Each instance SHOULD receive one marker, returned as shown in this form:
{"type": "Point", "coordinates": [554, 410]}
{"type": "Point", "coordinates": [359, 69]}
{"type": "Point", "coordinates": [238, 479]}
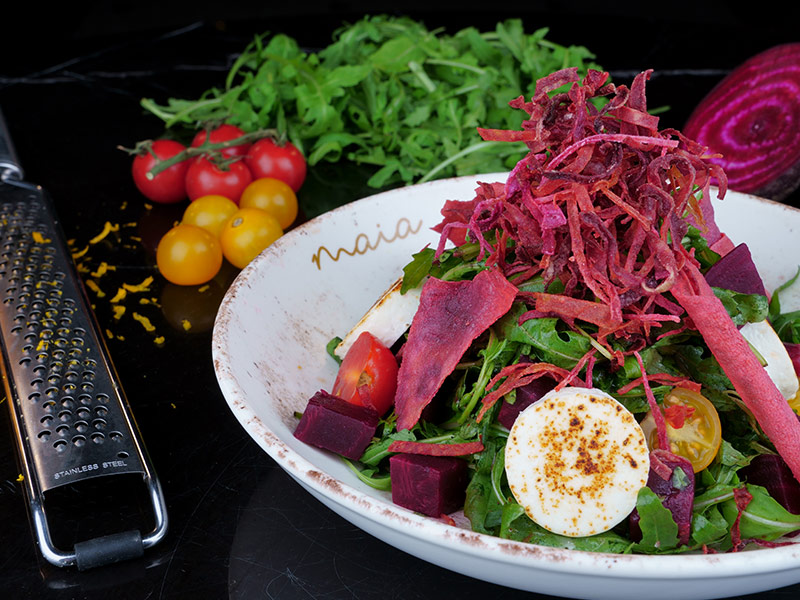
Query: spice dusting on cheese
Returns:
{"type": "Point", "coordinates": [576, 460]}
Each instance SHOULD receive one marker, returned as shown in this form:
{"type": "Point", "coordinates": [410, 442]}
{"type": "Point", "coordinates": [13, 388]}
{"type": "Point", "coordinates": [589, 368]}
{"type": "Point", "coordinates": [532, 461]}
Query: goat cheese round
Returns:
{"type": "Point", "coordinates": [576, 460]}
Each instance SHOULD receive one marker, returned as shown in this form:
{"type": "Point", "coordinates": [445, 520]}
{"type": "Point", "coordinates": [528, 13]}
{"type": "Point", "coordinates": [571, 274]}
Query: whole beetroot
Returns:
{"type": "Point", "coordinates": [752, 119]}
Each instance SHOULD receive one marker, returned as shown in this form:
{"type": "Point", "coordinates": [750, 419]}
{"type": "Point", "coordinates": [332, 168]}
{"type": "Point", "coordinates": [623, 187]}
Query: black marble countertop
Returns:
{"type": "Point", "coordinates": [70, 85]}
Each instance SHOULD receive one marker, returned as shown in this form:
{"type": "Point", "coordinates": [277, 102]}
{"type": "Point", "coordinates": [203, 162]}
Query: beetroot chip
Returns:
{"type": "Point", "coordinates": [451, 315]}
{"type": "Point", "coordinates": [431, 485]}
{"type": "Point", "coordinates": [333, 424]}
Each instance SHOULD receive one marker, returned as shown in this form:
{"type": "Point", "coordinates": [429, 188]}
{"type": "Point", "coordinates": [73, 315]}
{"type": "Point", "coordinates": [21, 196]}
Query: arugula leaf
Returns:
{"type": "Point", "coordinates": [419, 267]}
{"type": "Point", "coordinates": [743, 308]}
{"type": "Point", "coordinates": [786, 325]}
{"type": "Point", "coordinates": [659, 530]}
{"type": "Point", "coordinates": [763, 518]}
{"type": "Point", "coordinates": [563, 348]}
{"type": "Point", "coordinates": [523, 529]}
{"type": "Point", "coordinates": [388, 93]}
{"type": "Point", "coordinates": [695, 239]}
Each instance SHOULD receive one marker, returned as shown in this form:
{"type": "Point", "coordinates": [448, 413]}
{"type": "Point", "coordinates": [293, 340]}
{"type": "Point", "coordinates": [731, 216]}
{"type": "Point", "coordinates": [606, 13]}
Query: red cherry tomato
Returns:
{"type": "Point", "coordinates": [204, 178]}
{"type": "Point", "coordinates": [285, 162]}
{"type": "Point", "coordinates": [168, 186]}
{"type": "Point", "coordinates": [223, 133]}
{"type": "Point", "coordinates": [367, 375]}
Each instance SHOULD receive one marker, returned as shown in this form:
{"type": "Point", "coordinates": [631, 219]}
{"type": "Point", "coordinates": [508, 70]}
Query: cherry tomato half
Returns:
{"type": "Point", "coordinates": [273, 196]}
{"type": "Point", "coordinates": [223, 133]}
{"type": "Point", "coordinates": [204, 178]}
{"type": "Point", "coordinates": [285, 162]}
{"type": "Point", "coordinates": [246, 234]}
{"type": "Point", "coordinates": [167, 187]}
{"type": "Point", "coordinates": [367, 375]}
{"type": "Point", "coordinates": [701, 435]}
{"type": "Point", "coordinates": [210, 213]}
{"type": "Point", "coordinates": [188, 255]}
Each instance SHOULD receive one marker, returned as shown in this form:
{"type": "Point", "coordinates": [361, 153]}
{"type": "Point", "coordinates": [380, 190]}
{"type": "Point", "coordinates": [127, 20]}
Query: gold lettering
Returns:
{"type": "Point", "coordinates": [362, 244]}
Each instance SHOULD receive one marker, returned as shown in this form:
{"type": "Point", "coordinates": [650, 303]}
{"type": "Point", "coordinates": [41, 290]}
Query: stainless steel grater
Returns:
{"type": "Point", "coordinates": [70, 416]}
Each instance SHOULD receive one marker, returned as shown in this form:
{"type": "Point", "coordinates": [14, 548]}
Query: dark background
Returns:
{"type": "Point", "coordinates": [70, 81]}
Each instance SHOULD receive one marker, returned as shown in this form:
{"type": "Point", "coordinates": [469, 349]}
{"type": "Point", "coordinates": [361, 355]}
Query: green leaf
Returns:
{"type": "Point", "coordinates": [709, 527]}
{"type": "Point", "coordinates": [659, 530]}
{"type": "Point", "coordinates": [786, 325]}
{"type": "Point", "coordinates": [763, 518]}
{"type": "Point", "coordinates": [563, 348]}
{"type": "Point", "coordinates": [743, 308]}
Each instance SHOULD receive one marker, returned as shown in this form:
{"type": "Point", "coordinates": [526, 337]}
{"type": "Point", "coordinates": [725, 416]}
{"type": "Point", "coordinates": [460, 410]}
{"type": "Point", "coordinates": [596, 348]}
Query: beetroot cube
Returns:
{"type": "Point", "coordinates": [333, 424]}
{"type": "Point", "coordinates": [526, 395]}
{"type": "Point", "coordinates": [431, 485]}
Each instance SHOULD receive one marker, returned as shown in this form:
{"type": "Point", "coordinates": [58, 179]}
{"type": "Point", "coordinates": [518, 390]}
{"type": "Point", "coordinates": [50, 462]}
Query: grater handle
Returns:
{"type": "Point", "coordinates": [108, 549]}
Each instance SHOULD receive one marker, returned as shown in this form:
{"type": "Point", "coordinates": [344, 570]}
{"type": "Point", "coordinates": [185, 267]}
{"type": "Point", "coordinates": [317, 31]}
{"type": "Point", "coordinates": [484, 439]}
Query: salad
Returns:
{"type": "Point", "coordinates": [585, 361]}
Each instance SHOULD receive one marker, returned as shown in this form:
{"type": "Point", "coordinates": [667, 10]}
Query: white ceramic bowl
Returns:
{"type": "Point", "coordinates": [316, 281]}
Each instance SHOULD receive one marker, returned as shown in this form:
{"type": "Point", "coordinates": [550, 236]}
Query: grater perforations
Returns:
{"type": "Point", "coordinates": [64, 387]}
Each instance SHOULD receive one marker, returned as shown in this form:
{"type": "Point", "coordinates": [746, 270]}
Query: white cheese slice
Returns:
{"type": "Point", "coordinates": [779, 366]}
{"type": "Point", "coordinates": [576, 460]}
{"type": "Point", "coordinates": [387, 319]}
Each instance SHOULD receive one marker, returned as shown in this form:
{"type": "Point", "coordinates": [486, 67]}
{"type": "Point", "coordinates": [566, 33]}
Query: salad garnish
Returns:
{"type": "Point", "coordinates": [578, 282]}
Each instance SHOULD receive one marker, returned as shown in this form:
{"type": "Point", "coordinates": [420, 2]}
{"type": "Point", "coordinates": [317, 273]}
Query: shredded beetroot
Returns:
{"type": "Point", "coordinates": [742, 497]}
{"type": "Point", "coordinates": [664, 379]}
{"type": "Point", "coordinates": [428, 449]}
{"type": "Point", "coordinates": [655, 409]}
{"type": "Point", "coordinates": [450, 316]}
{"type": "Point", "coordinates": [518, 375]}
{"type": "Point", "coordinates": [598, 204]}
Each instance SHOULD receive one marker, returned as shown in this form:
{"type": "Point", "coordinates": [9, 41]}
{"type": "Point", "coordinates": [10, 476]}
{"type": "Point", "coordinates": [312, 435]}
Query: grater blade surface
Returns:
{"type": "Point", "coordinates": [62, 383]}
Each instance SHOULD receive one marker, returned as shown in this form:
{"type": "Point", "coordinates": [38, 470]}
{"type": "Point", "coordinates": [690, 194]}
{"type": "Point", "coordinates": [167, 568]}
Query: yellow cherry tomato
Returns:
{"type": "Point", "coordinates": [210, 213]}
{"type": "Point", "coordinates": [701, 435]}
{"type": "Point", "coordinates": [273, 196]}
{"type": "Point", "coordinates": [247, 233]}
{"type": "Point", "coordinates": [794, 403]}
{"type": "Point", "coordinates": [188, 255]}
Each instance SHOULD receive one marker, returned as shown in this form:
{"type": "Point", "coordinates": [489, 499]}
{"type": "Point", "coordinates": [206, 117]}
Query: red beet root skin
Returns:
{"type": "Point", "coordinates": [752, 118]}
{"type": "Point", "coordinates": [431, 485]}
{"type": "Point", "coordinates": [333, 424]}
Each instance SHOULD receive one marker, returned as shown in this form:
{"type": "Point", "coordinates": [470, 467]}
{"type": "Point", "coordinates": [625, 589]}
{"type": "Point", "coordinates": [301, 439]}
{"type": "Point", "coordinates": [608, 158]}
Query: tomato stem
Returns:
{"type": "Point", "coordinates": [206, 148]}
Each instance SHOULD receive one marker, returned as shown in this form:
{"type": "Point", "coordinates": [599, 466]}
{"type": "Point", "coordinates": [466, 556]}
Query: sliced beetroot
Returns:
{"type": "Point", "coordinates": [332, 424]}
{"type": "Point", "coordinates": [431, 485]}
{"type": "Point", "coordinates": [751, 381]}
{"type": "Point", "coordinates": [772, 472]}
{"type": "Point", "coordinates": [794, 353]}
{"type": "Point", "coordinates": [428, 449]}
{"type": "Point", "coordinates": [737, 272]}
{"type": "Point", "coordinates": [676, 492]}
{"type": "Point", "coordinates": [752, 119]}
{"type": "Point", "coordinates": [450, 316]}
{"type": "Point", "coordinates": [526, 395]}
